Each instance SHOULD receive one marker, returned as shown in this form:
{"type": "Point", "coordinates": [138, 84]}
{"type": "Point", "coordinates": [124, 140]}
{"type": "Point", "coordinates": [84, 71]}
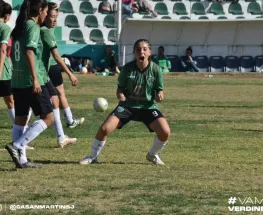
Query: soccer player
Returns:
{"type": "Point", "coordinates": [55, 65]}
{"type": "Point", "coordinates": [28, 80]}
{"type": "Point", "coordinates": [49, 46]}
{"type": "Point", "coordinates": [140, 86]}
{"type": "Point", "coordinates": [5, 69]}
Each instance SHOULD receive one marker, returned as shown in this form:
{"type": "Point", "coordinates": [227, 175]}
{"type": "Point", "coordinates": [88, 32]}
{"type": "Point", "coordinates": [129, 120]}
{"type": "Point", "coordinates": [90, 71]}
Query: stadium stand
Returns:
{"type": "Point", "coordinates": [202, 63]}
{"type": "Point", "coordinates": [86, 8]}
{"type": "Point", "coordinates": [232, 64]}
{"type": "Point", "coordinates": [247, 64]}
{"type": "Point", "coordinates": [216, 63]}
{"type": "Point", "coordinates": [71, 21]}
{"type": "Point", "coordinates": [80, 22]}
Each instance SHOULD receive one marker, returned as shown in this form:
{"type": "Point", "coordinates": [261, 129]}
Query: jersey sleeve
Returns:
{"type": "Point", "coordinates": [33, 34]}
{"type": "Point", "coordinates": [122, 79]}
{"type": "Point", "coordinates": [5, 35]}
{"type": "Point", "coordinates": [159, 80]}
{"type": "Point", "coordinates": [48, 39]}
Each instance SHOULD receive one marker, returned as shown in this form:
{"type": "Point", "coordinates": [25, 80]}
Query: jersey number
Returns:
{"type": "Point", "coordinates": [17, 51]}
{"type": "Point", "coordinates": [155, 113]}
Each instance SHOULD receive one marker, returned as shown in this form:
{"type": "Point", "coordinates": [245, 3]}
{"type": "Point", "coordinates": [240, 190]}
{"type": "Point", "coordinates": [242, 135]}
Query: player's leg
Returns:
{"type": "Point", "coordinates": [160, 126]}
{"type": "Point", "coordinates": [116, 119]}
{"type": "Point", "coordinates": [63, 103]}
{"type": "Point", "coordinates": [6, 93]}
{"type": "Point", "coordinates": [57, 80]}
{"type": "Point", "coordinates": [62, 138]}
{"type": "Point", "coordinates": [41, 106]}
{"type": "Point", "coordinates": [109, 125]}
{"type": "Point", "coordinates": [11, 109]}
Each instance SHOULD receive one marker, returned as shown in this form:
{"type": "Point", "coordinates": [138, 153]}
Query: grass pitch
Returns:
{"type": "Point", "coordinates": [215, 152]}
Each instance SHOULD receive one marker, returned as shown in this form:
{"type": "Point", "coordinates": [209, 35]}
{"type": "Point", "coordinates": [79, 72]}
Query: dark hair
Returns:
{"type": "Point", "coordinates": [52, 6]}
{"type": "Point", "coordinates": [190, 49]}
{"type": "Point", "coordinates": [161, 47]}
{"type": "Point", "coordinates": [5, 9]}
{"type": "Point", "coordinates": [141, 40]}
{"type": "Point", "coordinates": [29, 8]}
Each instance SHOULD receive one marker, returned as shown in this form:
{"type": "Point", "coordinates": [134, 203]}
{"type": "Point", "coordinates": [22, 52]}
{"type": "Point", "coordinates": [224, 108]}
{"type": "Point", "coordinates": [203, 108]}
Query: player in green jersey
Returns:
{"type": "Point", "coordinates": [140, 86]}
{"type": "Point", "coordinates": [28, 80]}
{"type": "Point", "coordinates": [49, 46]}
{"type": "Point", "coordinates": [54, 64]}
{"type": "Point", "coordinates": [5, 68]}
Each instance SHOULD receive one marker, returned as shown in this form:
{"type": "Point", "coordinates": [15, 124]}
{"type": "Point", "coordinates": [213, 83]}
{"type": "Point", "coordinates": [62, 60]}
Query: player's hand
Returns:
{"type": "Point", "coordinates": [74, 80]}
{"type": "Point", "coordinates": [190, 58]}
{"type": "Point", "coordinates": [121, 97]}
{"type": "Point", "coordinates": [36, 87]}
{"type": "Point", "coordinates": [159, 97]}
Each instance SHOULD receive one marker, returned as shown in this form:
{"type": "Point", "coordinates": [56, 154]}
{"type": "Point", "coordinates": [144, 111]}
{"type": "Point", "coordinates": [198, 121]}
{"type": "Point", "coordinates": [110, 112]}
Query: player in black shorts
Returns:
{"type": "Point", "coordinates": [5, 69]}
{"type": "Point", "coordinates": [140, 86]}
{"type": "Point", "coordinates": [28, 81]}
{"type": "Point", "coordinates": [54, 64]}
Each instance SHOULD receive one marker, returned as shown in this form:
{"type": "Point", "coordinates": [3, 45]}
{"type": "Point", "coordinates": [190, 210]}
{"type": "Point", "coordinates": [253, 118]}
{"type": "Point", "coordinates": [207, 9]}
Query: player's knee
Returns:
{"type": "Point", "coordinates": [105, 129]}
{"type": "Point", "coordinates": [165, 133]}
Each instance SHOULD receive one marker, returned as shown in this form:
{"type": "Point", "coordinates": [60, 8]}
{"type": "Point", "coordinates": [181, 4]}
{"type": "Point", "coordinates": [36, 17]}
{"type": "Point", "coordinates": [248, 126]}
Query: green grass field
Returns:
{"type": "Point", "coordinates": [215, 152]}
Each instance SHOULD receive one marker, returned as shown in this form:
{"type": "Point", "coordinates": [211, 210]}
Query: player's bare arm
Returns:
{"type": "Point", "coordinates": [31, 62]}
{"type": "Point", "coordinates": [2, 57]}
{"type": "Point", "coordinates": [159, 96]}
{"type": "Point", "coordinates": [60, 61]}
{"type": "Point", "coordinates": [120, 95]}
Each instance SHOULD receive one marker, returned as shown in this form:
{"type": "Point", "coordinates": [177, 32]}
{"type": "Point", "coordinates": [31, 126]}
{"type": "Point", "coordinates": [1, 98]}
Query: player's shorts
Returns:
{"type": "Point", "coordinates": [147, 116]}
{"type": "Point", "coordinates": [55, 75]}
{"type": "Point", "coordinates": [24, 99]}
{"type": "Point", "coordinates": [51, 89]}
{"type": "Point", "coordinates": [5, 88]}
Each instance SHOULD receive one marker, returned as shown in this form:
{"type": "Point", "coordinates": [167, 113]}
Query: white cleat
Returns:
{"type": "Point", "coordinates": [76, 122]}
{"type": "Point", "coordinates": [154, 159]}
{"type": "Point", "coordinates": [66, 141]}
{"type": "Point", "coordinates": [29, 148]}
{"type": "Point", "coordinates": [88, 160]}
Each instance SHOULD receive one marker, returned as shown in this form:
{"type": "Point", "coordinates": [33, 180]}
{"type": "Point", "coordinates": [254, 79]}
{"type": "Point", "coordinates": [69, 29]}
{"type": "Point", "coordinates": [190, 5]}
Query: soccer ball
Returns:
{"type": "Point", "coordinates": [100, 105]}
{"type": "Point", "coordinates": [84, 70]}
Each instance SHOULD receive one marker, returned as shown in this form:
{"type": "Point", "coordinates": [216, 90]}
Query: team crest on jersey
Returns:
{"type": "Point", "coordinates": [120, 109]}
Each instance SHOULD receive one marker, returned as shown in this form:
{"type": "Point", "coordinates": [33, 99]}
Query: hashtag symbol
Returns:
{"type": "Point", "coordinates": [232, 200]}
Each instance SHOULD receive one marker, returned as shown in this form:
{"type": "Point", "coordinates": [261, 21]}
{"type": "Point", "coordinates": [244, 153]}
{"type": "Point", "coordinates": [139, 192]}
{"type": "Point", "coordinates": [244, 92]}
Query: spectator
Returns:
{"type": "Point", "coordinates": [146, 6]}
{"type": "Point", "coordinates": [109, 62]}
{"type": "Point", "coordinates": [162, 60]}
{"type": "Point", "coordinates": [187, 62]}
{"type": "Point", "coordinates": [105, 7]}
{"type": "Point", "coordinates": [129, 7]}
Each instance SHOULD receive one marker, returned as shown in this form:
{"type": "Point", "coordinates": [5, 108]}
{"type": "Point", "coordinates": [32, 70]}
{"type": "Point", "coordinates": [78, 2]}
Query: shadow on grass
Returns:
{"type": "Point", "coordinates": [248, 130]}
{"type": "Point", "coordinates": [224, 106]}
{"type": "Point", "coordinates": [97, 163]}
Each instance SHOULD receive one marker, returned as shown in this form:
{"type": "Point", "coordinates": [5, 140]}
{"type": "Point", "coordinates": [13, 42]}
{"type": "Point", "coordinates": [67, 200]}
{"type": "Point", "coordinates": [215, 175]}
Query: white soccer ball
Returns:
{"type": "Point", "coordinates": [100, 105]}
{"type": "Point", "coordinates": [84, 70]}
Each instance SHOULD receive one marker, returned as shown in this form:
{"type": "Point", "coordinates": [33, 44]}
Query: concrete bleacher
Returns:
{"type": "Point", "coordinates": [73, 36]}
{"type": "Point", "coordinates": [179, 9]}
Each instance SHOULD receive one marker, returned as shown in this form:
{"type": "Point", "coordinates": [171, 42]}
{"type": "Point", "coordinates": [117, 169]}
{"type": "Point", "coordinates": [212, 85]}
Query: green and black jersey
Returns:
{"type": "Point", "coordinates": [5, 31]}
{"type": "Point", "coordinates": [140, 87]}
{"type": "Point", "coordinates": [30, 39]}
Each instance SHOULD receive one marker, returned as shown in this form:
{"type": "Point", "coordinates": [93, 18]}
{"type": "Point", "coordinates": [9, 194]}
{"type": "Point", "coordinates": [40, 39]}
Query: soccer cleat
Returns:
{"type": "Point", "coordinates": [29, 148]}
{"type": "Point", "coordinates": [15, 154]}
{"type": "Point", "coordinates": [88, 160]}
{"type": "Point", "coordinates": [30, 164]}
{"type": "Point", "coordinates": [154, 159]}
{"type": "Point", "coordinates": [76, 122]}
{"type": "Point", "coordinates": [66, 141]}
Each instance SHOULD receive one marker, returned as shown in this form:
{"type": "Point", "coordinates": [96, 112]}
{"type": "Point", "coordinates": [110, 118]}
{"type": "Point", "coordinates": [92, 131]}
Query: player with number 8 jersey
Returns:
{"type": "Point", "coordinates": [22, 77]}
{"type": "Point", "coordinates": [28, 81]}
